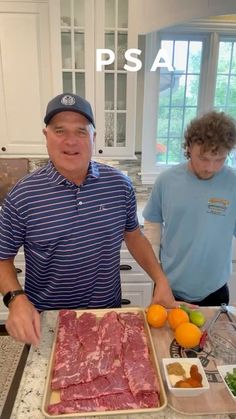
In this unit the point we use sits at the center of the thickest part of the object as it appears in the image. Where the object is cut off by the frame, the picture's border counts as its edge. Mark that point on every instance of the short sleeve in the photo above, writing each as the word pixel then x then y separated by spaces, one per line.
pixel 153 209
pixel 131 219
pixel 12 230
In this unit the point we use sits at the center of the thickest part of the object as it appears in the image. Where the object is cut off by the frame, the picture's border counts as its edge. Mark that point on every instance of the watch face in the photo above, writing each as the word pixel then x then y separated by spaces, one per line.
pixel 9 296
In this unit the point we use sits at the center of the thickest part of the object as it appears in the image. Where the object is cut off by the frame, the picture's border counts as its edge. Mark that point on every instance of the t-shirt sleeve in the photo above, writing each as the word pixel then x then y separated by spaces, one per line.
pixel 153 209
pixel 11 230
pixel 235 230
pixel 131 220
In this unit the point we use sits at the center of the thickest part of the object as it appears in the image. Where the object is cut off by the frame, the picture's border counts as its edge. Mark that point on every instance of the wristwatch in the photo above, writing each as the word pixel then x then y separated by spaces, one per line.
pixel 9 296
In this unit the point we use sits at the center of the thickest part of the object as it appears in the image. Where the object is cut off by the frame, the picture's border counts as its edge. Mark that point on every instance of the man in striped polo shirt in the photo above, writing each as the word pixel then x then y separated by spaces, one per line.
pixel 71 217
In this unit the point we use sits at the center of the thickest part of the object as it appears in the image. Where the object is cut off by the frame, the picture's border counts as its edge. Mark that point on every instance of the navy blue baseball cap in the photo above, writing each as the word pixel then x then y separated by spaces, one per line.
pixel 69 102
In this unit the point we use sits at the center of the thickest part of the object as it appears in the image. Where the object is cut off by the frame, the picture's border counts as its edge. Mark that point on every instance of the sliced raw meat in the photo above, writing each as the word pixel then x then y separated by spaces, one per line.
pixel 132 319
pixel 112 402
pixel 136 358
pixel 114 383
pixel 87 330
pixel 103 365
pixel 111 332
pixel 141 376
pixel 66 351
pixel 148 399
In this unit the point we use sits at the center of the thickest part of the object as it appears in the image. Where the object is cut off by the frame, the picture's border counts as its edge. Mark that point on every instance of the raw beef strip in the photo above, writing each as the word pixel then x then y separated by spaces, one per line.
pixel 135 343
pixel 111 402
pixel 136 359
pixel 66 350
pixel 74 406
pixel 104 403
pixel 148 399
pixel 87 330
pixel 111 332
pixel 115 382
pixel 132 319
pixel 141 376
pixel 118 401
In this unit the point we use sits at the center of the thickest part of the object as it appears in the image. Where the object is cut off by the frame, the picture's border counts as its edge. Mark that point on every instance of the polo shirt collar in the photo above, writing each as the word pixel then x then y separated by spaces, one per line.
pixel 56 177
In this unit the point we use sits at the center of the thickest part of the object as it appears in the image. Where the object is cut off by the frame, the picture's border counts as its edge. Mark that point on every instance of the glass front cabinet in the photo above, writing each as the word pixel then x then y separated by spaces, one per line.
pixel 86 27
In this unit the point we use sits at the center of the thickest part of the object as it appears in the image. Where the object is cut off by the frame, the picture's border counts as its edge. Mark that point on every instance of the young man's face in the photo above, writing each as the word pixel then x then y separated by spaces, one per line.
pixel 70 142
pixel 205 164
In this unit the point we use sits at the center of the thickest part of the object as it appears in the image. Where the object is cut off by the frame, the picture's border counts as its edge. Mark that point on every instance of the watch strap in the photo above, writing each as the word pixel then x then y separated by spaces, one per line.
pixel 9 296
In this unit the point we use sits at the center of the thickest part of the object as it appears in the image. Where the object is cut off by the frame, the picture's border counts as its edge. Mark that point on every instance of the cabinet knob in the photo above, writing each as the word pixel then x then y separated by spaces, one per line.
pixel 125 268
pixel 4 149
pixel 100 151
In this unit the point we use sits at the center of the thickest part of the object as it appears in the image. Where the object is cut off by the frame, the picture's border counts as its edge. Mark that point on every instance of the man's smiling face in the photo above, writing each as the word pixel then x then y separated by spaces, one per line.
pixel 70 138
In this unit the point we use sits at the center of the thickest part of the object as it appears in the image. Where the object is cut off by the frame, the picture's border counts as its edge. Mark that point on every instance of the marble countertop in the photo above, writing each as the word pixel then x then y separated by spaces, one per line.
pixel 30 394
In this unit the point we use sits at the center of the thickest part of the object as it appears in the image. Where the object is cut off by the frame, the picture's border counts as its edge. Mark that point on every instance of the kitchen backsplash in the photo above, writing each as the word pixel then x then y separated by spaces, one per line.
pixel 13 169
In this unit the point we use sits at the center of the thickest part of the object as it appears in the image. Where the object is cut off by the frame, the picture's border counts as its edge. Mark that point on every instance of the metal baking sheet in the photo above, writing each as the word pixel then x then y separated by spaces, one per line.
pixel 52 396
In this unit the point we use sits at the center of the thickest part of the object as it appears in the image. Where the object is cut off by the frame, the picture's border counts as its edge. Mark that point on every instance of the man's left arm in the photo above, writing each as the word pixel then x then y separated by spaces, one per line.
pixel 141 249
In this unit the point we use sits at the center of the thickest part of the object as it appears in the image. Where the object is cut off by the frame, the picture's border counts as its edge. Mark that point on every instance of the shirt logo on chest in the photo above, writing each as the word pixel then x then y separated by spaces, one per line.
pixel 217 206
pixel 102 207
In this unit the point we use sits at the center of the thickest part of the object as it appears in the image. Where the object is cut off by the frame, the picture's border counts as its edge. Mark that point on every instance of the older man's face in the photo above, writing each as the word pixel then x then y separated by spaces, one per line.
pixel 70 140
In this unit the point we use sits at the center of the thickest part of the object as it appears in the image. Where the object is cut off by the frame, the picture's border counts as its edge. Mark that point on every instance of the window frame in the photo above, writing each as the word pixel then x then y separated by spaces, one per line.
pixel 211 32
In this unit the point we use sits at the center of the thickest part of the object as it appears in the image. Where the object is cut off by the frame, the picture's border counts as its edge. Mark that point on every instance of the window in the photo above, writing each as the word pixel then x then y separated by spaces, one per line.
pixel 204 77
pixel 225 93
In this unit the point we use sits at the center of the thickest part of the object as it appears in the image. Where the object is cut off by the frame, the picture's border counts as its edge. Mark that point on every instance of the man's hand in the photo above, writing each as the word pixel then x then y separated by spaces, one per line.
pixel 23 322
pixel 163 295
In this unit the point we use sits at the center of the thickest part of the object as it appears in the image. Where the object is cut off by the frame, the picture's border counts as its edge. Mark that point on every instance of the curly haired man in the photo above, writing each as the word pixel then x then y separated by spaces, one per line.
pixel 191 213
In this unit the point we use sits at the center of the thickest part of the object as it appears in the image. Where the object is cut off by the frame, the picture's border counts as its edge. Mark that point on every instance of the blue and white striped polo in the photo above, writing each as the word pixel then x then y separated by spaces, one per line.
pixel 71 235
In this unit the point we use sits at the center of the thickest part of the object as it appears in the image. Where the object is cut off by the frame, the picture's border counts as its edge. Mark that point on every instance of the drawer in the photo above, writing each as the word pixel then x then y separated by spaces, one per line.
pixel 130 266
pixel 124 253
pixel 135 277
pixel 139 295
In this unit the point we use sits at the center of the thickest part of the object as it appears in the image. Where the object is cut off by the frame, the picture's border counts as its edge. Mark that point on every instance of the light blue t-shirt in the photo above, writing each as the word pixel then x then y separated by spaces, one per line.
pixel 199 221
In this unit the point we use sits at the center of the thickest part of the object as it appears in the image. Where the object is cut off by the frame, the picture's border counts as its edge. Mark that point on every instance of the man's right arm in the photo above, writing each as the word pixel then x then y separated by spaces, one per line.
pixel 23 322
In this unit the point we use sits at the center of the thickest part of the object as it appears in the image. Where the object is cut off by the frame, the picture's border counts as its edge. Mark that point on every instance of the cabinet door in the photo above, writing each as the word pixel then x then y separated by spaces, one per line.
pixel 111 92
pixel 25 77
pixel 115 86
pixel 138 294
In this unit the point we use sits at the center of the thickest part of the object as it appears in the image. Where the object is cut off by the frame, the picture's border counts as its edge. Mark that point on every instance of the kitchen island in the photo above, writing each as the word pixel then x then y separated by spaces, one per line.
pixel 30 394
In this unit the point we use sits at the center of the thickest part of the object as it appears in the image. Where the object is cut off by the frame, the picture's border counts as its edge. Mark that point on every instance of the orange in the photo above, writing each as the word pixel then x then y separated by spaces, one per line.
pixel 176 316
pixel 188 335
pixel 156 315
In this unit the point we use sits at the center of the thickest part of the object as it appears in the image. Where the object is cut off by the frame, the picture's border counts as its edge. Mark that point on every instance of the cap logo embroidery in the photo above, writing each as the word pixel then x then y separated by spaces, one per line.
pixel 68 100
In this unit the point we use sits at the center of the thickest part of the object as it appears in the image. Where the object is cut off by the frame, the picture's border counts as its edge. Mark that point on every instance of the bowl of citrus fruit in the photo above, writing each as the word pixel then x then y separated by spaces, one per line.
pixel 185 323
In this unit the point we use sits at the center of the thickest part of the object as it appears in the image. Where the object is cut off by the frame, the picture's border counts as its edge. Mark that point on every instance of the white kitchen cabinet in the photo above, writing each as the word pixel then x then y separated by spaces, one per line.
pixel 136 285
pixel 84 27
pixel 25 77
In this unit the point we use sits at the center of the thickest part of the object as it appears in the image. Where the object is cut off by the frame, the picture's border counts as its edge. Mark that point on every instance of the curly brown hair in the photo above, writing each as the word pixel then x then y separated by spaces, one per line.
pixel 215 131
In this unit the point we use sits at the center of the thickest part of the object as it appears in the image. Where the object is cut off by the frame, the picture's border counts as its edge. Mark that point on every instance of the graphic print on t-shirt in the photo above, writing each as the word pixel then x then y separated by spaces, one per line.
pixel 217 206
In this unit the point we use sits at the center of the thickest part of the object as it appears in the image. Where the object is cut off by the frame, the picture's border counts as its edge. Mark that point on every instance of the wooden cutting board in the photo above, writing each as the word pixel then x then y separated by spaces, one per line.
pixel 215 401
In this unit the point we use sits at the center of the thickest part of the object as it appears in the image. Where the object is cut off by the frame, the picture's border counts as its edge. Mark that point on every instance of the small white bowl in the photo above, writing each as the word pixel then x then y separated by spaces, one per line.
pixel 186 363
pixel 223 369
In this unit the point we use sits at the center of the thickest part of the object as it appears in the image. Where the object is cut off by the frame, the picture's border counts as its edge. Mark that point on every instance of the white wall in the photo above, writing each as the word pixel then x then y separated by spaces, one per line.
pixel 156 14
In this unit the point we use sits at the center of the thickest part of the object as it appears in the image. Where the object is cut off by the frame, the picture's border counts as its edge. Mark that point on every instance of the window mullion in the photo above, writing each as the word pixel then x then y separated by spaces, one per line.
pixel 209 72
pixel 229 75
